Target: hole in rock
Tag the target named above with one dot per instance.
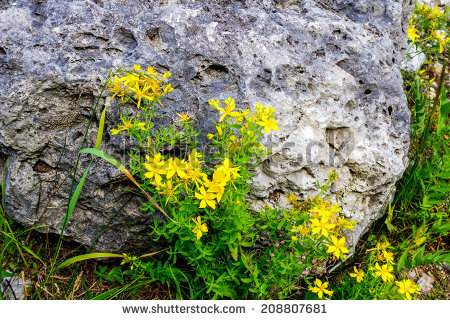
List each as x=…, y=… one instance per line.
x=153, y=37
x=41, y=167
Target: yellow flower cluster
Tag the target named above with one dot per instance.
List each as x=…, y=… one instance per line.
x=140, y=84
x=325, y=222
x=430, y=13
x=168, y=175
x=262, y=117
x=381, y=254
x=433, y=15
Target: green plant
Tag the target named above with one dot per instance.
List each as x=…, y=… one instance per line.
x=216, y=244
x=375, y=278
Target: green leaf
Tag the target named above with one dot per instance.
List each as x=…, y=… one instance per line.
x=234, y=253
x=104, y=156
x=417, y=258
x=402, y=261
x=5, y=274
x=246, y=280
x=74, y=199
x=89, y=256
x=100, y=129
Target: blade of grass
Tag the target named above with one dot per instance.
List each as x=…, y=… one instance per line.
x=74, y=199
x=87, y=257
x=100, y=129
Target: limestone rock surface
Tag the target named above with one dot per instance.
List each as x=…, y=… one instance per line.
x=330, y=68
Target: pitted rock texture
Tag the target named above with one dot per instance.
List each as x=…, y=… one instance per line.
x=330, y=68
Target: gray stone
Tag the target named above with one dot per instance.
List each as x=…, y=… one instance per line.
x=414, y=58
x=426, y=284
x=330, y=68
x=12, y=288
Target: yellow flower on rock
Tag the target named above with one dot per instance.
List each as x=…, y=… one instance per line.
x=321, y=288
x=321, y=226
x=268, y=124
x=128, y=124
x=338, y=247
x=407, y=287
x=228, y=111
x=184, y=117
x=291, y=197
x=207, y=198
x=359, y=274
x=199, y=228
x=140, y=93
x=384, y=271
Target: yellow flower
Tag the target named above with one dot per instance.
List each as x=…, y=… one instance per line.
x=407, y=287
x=291, y=197
x=321, y=288
x=199, y=228
x=338, y=248
x=380, y=246
x=388, y=256
x=412, y=34
x=294, y=238
x=228, y=170
x=228, y=111
x=384, y=271
x=321, y=226
x=359, y=274
x=268, y=124
x=154, y=171
x=184, y=117
x=196, y=176
x=207, y=199
x=214, y=103
x=194, y=158
x=435, y=13
x=217, y=185
x=140, y=93
x=167, y=189
x=219, y=130
x=157, y=159
x=177, y=166
x=128, y=124
x=115, y=87
x=128, y=259
x=438, y=34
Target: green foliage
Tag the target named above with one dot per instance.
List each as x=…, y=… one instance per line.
x=217, y=245
x=422, y=201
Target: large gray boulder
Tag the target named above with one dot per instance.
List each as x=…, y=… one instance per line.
x=330, y=68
